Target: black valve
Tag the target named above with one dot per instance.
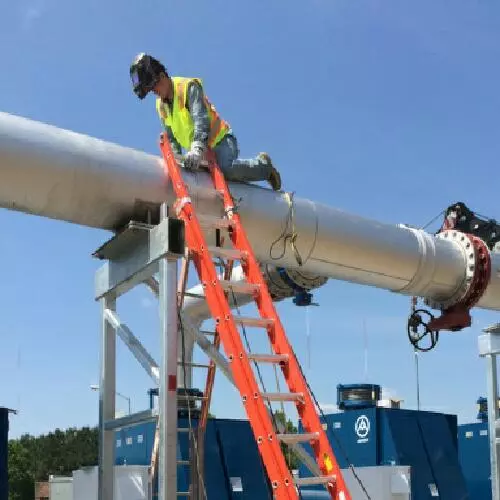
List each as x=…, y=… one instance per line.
x=418, y=330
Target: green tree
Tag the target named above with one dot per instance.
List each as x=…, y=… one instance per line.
x=21, y=484
x=291, y=457
x=60, y=452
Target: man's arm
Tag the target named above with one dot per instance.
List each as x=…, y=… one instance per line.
x=199, y=113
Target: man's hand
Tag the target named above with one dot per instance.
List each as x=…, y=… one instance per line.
x=193, y=158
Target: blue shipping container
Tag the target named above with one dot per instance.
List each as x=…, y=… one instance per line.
x=425, y=441
x=4, y=447
x=474, y=453
x=233, y=468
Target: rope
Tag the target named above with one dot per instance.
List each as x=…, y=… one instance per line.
x=308, y=339
x=289, y=233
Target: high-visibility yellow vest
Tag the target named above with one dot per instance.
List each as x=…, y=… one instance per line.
x=180, y=121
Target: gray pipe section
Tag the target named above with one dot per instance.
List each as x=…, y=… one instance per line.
x=197, y=308
x=75, y=178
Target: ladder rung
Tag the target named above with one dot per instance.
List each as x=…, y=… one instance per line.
x=183, y=462
x=308, y=481
x=239, y=287
x=207, y=332
x=227, y=253
x=298, y=438
x=193, y=365
x=189, y=396
x=183, y=493
x=282, y=396
x=183, y=429
x=269, y=358
x=244, y=320
x=216, y=222
x=195, y=295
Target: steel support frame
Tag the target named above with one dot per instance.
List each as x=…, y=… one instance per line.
x=126, y=268
x=133, y=256
x=489, y=348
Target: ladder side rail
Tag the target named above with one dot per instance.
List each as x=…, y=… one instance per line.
x=291, y=370
x=211, y=370
x=260, y=421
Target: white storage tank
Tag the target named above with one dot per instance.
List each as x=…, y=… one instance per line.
x=60, y=488
x=131, y=483
x=383, y=482
x=391, y=482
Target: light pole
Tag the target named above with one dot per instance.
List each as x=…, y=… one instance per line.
x=95, y=387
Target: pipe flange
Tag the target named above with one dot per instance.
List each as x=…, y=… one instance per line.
x=305, y=280
x=482, y=273
x=283, y=287
x=466, y=243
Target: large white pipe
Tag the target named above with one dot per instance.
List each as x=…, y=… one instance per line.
x=59, y=174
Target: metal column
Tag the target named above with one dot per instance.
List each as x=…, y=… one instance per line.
x=135, y=255
x=167, y=463
x=107, y=389
x=489, y=348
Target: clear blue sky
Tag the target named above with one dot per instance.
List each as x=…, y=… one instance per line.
x=384, y=109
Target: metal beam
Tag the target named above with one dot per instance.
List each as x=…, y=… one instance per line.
x=135, y=346
x=207, y=347
x=134, y=253
x=129, y=420
x=130, y=256
x=107, y=390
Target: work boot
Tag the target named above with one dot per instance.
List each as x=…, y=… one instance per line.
x=274, y=176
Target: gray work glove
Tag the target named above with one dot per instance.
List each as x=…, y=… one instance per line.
x=194, y=156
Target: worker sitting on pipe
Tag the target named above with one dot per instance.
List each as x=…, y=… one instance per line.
x=192, y=123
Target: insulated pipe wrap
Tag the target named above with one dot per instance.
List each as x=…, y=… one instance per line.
x=79, y=179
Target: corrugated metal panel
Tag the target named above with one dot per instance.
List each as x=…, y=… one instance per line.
x=402, y=444
x=215, y=477
x=4, y=443
x=474, y=454
x=353, y=436
x=439, y=433
x=242, y=464
x=134, y=444
x=354, y=433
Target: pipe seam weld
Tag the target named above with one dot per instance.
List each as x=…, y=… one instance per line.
x=423, y=278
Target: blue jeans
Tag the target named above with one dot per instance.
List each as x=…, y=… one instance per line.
x=238, y=170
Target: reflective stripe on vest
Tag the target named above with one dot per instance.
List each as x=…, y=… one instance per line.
x=180, y=121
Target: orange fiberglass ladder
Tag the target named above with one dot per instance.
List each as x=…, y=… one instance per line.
x=268, y=440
